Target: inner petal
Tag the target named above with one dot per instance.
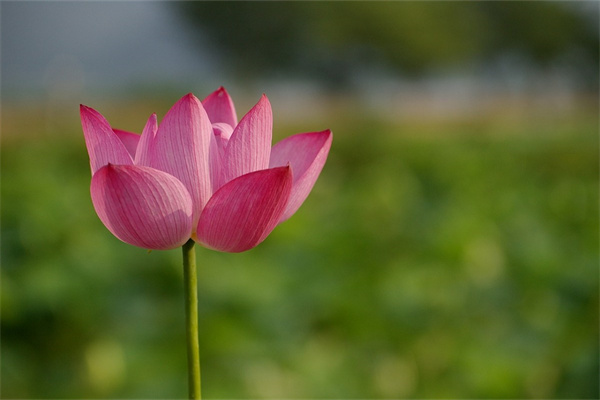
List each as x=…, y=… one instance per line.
x=222, y=132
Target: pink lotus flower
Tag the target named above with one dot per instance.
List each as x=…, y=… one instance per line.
x=200, y=174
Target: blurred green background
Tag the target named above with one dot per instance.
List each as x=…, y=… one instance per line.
x=449, y=249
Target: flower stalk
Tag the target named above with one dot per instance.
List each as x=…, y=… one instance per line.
x=191, y=318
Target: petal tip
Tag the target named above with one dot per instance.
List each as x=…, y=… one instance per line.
x=263, y=105
x=190, y=98
x=85, y=110
x=285, y=171
x=327, y=133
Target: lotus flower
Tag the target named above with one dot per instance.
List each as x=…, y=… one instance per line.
x=200, y=174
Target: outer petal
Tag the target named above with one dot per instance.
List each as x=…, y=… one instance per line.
x=244, y=211
x=129, y=139
x=142, y=154
x=220, y=108
x=306, y=153
x=142, y=206
x=104, y=146
x=185, y=147
x=249, y=146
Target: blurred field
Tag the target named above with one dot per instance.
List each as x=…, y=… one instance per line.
x=435, y=258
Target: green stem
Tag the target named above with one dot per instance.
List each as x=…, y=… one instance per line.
x=191, y=318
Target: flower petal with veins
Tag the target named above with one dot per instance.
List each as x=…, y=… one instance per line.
x=142, y=206
x=143, y=151
x=220, y=108
x=103, y=144
x=243, y=212
x=306, y=153
x=184, y=146
x=129, y=139
x=249, y=146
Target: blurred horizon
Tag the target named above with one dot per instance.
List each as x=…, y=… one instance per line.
x=45, y=49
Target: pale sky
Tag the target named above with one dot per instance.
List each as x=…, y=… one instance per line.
x=96, y=45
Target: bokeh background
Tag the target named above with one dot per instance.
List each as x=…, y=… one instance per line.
x=448, y=250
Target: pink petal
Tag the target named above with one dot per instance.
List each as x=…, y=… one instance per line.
x=249, y=147
x=103, y=145
x=306, y=153
x=244, y=211
x=142, y=206
x=129, y=139
x=220, y=108
x=222, y=132
x=142, y=155
x=185, y=147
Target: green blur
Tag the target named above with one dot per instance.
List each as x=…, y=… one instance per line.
x=433, y=259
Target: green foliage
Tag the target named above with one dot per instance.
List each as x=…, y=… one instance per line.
x=454, y=260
